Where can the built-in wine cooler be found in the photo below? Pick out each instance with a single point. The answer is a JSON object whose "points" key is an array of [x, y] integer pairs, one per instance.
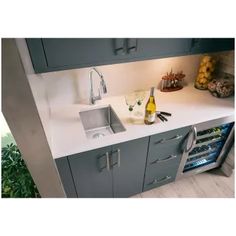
{"points": [[206, 147]]}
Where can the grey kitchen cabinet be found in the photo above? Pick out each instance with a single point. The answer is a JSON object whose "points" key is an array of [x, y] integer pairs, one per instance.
{"points": [[50, 54], [128, 172], [114, 171], [66, 176], [151, 48], [164, 156], [207, 45], [91, 174]]}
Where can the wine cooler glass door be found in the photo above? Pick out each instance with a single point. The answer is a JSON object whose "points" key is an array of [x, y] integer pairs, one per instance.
{"points": [[206, 147]]}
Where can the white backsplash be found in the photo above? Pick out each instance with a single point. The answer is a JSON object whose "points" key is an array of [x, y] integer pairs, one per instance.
{"points": [[226, 62], [73, 86]]}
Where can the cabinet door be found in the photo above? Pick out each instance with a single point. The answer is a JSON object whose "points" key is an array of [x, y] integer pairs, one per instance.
{"points": [[80, 52], [50, 54], [128, 162], [204, 45], [163, 47], [66, 177], [91, 174]]}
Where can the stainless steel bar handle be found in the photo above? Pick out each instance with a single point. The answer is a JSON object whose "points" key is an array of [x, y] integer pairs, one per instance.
{"points": [[120, 46], [170, 139], [157, 181], [118, 156], [194, 140], [107, 161], [131, 45], [107, 165], [165, 159]]}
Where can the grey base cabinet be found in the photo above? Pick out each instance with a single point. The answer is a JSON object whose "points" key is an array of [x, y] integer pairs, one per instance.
{"points": [[128, 176], [124, 169], [164, 156], [114, 171], [63, 168], [90, 173]]}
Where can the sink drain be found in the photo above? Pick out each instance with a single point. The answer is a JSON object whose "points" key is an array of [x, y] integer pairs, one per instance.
{"points": [[98, 135]]}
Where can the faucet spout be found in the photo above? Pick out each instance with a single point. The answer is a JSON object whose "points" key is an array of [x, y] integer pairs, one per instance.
{"points": [[102, 85]]}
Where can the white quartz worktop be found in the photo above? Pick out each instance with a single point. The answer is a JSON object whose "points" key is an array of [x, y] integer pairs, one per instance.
{"points": [[188, 106]]}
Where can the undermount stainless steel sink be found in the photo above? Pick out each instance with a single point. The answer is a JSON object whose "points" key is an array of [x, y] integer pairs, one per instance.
{"points": [[100, 122]]}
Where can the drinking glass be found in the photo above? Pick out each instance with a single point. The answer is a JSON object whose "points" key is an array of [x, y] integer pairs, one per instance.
{"points": [[140, 95], [131, 101]]}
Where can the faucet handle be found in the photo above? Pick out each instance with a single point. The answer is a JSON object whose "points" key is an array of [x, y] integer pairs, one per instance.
{"points": [[103, 86]]}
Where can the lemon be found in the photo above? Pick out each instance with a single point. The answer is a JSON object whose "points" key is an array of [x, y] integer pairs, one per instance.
{"points": [[206, 59], [207, 74]]}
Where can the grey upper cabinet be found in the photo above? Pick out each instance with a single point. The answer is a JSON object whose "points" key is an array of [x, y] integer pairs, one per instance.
{"points": [[85, 52], [206, 45], [91, 174], [163, 47], [59, 54], [128, 161], [52, 54], [115, 171]]}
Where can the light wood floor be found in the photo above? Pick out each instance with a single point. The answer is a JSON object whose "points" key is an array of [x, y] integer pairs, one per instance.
{"points": [[211, 184], [205, 185]]}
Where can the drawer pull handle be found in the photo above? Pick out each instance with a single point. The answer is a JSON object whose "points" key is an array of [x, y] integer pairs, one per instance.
{"points": [[165, 159], [157, 181], [176, 137]]}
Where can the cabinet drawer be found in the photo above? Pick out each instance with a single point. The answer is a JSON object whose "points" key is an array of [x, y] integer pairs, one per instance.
{"points": [[160, 173], [166, 144], [158, 177]]}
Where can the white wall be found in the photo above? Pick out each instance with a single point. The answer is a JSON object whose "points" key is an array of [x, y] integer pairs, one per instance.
{"points": [[38, 88], [226, 61], [72, 86]]}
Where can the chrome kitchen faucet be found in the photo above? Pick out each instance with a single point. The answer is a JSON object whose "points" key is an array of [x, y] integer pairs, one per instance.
{"points": [[94, 98]]}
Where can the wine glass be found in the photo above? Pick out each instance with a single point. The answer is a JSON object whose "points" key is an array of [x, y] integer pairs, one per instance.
{"points": [[131, 101], [140, 95]]}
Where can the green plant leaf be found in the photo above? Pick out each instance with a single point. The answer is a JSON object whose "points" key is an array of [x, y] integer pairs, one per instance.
{"points": [[16, 179]]}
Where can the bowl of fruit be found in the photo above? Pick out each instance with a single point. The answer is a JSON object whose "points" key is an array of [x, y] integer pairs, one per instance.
{"points": [[222, 87]]}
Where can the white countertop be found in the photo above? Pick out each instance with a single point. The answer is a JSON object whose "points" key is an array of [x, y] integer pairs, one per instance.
{"points": [[188, 106]]}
